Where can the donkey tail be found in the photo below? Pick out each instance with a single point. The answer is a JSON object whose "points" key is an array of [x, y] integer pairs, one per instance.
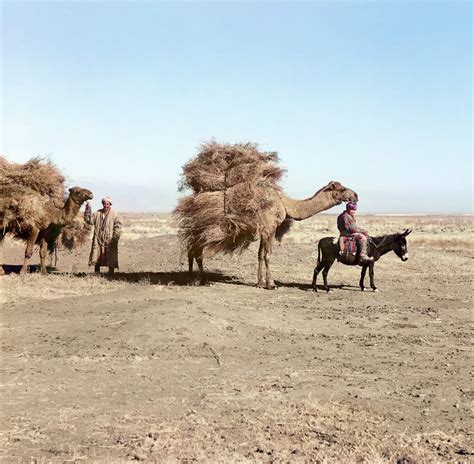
{"points": [[319, 252]]}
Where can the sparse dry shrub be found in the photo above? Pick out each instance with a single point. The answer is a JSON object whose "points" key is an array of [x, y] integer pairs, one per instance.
{"points": [[232, 197]]}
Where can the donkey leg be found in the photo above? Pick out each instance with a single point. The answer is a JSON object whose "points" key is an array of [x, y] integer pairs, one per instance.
{"points": [[362, 277], [371, 276], [327, 267], [316, 271], [30, 245]]}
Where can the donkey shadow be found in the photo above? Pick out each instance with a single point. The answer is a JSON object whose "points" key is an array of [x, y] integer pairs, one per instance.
{"points": [[307, 287]]}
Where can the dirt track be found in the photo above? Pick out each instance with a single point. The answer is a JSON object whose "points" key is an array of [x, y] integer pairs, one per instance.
{"points": [[151, 367]]}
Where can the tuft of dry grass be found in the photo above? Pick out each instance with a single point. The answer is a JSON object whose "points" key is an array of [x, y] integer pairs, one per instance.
{"points": [[302, 432], [20, 287]]}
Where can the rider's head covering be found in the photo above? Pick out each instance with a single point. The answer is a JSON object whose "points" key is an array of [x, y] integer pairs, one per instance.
{"points": [[351, 206], [107, 199]]}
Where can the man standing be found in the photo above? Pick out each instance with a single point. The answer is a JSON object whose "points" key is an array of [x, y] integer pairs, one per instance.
{"points": [[107, 228], [346, 223]]}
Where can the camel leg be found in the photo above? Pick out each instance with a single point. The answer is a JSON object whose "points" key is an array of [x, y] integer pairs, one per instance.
{"points": [[190, 261], [42, 252], [2, 272], [30, 246], [199, 260], [268, 252], [371, 276], [261, 254], [202, 275], [362, 276]]}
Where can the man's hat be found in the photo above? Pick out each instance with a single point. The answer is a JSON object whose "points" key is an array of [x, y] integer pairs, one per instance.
{"points": [[351, 206]]}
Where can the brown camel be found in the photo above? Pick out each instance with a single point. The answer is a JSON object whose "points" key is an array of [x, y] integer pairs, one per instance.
{"points": [[278, 219], [46, 225]]}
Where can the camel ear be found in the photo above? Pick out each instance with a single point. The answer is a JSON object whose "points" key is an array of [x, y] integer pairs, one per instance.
{"points": [[333, 185], [71, 189]]}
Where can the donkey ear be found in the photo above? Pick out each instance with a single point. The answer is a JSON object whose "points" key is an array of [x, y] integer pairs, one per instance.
{"points": [[407, 232]]}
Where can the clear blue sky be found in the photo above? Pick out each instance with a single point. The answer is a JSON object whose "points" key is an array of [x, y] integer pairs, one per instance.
{"points": [[377, 95]]}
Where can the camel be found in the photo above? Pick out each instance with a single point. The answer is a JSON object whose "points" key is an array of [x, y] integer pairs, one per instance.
{"points": [[46, 226], [278, 220]]}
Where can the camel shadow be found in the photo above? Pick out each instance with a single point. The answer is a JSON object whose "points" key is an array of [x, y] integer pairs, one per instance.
{"points": [[32, 268], [178, 278]]}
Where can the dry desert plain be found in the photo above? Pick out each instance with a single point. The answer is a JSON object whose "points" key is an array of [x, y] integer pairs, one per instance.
{"points": [[151, 367]]}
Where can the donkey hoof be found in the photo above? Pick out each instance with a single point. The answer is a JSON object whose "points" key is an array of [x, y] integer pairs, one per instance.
{"points": [[376, 290], [362, 289]]}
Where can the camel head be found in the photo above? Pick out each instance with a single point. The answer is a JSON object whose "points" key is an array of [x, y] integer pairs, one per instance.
{"points": [[80, 195], [341, 193]]}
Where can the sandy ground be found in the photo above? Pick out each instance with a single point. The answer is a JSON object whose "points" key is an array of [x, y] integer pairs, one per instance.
{"points": [[151, 367]]}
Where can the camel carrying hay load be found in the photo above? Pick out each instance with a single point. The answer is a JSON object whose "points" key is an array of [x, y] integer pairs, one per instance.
{"points": [[230, 185], [237, 199], [34, 207]]}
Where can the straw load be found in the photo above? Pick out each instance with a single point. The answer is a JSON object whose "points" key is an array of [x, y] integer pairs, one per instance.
{"points": [[233, 192], [31, 191]]}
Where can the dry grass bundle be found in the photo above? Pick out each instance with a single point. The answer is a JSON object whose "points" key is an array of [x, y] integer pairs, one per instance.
{"points": [[233, 189], [26, 191], [220, 166], [37, 175], [30, 191], [75, 234]]}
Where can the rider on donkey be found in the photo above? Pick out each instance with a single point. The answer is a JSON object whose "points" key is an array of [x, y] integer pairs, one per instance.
{"points": [[346, 223]]}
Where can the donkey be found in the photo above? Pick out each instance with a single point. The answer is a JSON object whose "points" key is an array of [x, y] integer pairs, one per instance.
{"points": [[328, 251]]}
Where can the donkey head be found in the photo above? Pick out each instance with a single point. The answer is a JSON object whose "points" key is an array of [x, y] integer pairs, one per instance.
{"points": [[401, 246]]}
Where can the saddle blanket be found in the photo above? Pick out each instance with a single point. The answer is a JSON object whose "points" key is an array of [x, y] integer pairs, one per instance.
{"points": [[347, 247]]}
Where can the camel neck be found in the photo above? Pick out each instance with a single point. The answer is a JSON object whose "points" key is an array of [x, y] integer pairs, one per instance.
{"points": [[69, 211], [303, 209]]}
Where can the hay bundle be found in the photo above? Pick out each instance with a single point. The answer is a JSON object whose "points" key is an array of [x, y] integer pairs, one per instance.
{"points": [[37, 175], [220, 166], [75, 234], [233, 197], [28, 193]]}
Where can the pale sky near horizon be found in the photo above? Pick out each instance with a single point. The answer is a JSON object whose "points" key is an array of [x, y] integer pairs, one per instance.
{"points": [[376, 95]]}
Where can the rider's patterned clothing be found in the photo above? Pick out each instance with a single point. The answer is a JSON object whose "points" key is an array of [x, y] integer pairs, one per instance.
{"points": [[347, 226]]}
